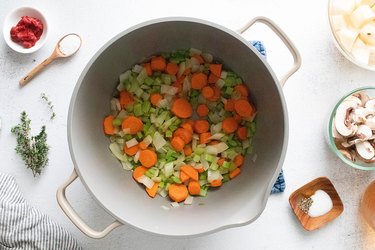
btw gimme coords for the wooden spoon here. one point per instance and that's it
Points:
(61, 50)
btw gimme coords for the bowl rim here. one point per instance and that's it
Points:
(338, 44)
(332, 145)
(19, 12)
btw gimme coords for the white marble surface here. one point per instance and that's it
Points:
(325, 76)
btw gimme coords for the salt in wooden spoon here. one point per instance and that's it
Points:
(67, 46)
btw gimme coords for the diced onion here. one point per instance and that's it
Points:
(223, 74)
(213, 175)
(158, 141)
(208, 57)
(131, 143)
(147, 140)
(126, 165)
(194, 51)
(220, 83)
(146, 181)
(124, 76)
(175, 204)
(217, 148)
(168, 169)
(136, 156)
(137, 68)
(115, 104)
(167, 89)
(163, 193)
(189, 200)
(216, 136)
(117, 151)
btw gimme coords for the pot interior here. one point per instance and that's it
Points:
(237, 202)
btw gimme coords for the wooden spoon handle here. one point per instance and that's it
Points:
(37, 69)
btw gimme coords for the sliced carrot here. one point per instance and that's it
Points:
(138, 172)
(108, 127)
(153, 191)
(201, 126)
(155, 98)
(178, 192)
(202, 110)
(177, 143)
(148, 68)
(229, 125)
(234, 173)
(187, 150)
(148, 158)
(238, 160)
(243, 108)
(198, 80)
(142, 145)
(183, 177)
(132, 150)
(188, 127)
(190, 171)
(216, 183)
(191, 122)
(172, 68)
(185, 134)
(242, 133)
(199, 58)
(212, 78)
(242, 89)
(215, 69)
(216, 95)
(194, 188)
(125, 99)
(204, 138)
(158, 63)
(220, 162)
(229, 105)
(182, 108)
(207, 92)
(134, 124)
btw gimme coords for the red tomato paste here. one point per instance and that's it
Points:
(27, 31)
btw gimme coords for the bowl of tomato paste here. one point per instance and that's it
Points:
(25, 29)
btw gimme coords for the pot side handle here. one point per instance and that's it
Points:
(75, 218)
(284, 38)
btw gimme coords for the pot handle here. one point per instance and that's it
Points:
(74, 217)
(284, 38)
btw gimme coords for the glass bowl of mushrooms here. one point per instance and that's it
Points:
(351, 128)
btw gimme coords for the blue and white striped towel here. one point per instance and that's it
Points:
(280, 182)
(25, 227)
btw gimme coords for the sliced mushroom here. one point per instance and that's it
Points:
(359, 114)
(370, 122)
(336, 134)
(365, 150)
(370, 105)
(362, 96)
(343, 122)
(363, 133)
(355, 99)
(347, 154)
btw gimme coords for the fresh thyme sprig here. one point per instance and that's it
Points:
(34, 149)
(50, 105)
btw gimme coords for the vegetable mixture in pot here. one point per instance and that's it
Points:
(181, 123)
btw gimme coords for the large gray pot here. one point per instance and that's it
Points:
(238, 202)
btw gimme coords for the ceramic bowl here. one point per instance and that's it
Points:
(336, 144)
(349, 39)
(13, 18)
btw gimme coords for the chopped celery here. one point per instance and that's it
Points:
(232, 143)
(230, 81)
(146, 105)
(209, 158)
(149, 81)
(138, 109)
(199, 151)
(117, 122)
(203, 191)
(166, 79)
(168, 134)
(203, 176)
(225, 178)
(175, 179)
(196, 158)
(161, 184)
(228, 91)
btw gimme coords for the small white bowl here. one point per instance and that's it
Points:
(13, 18)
